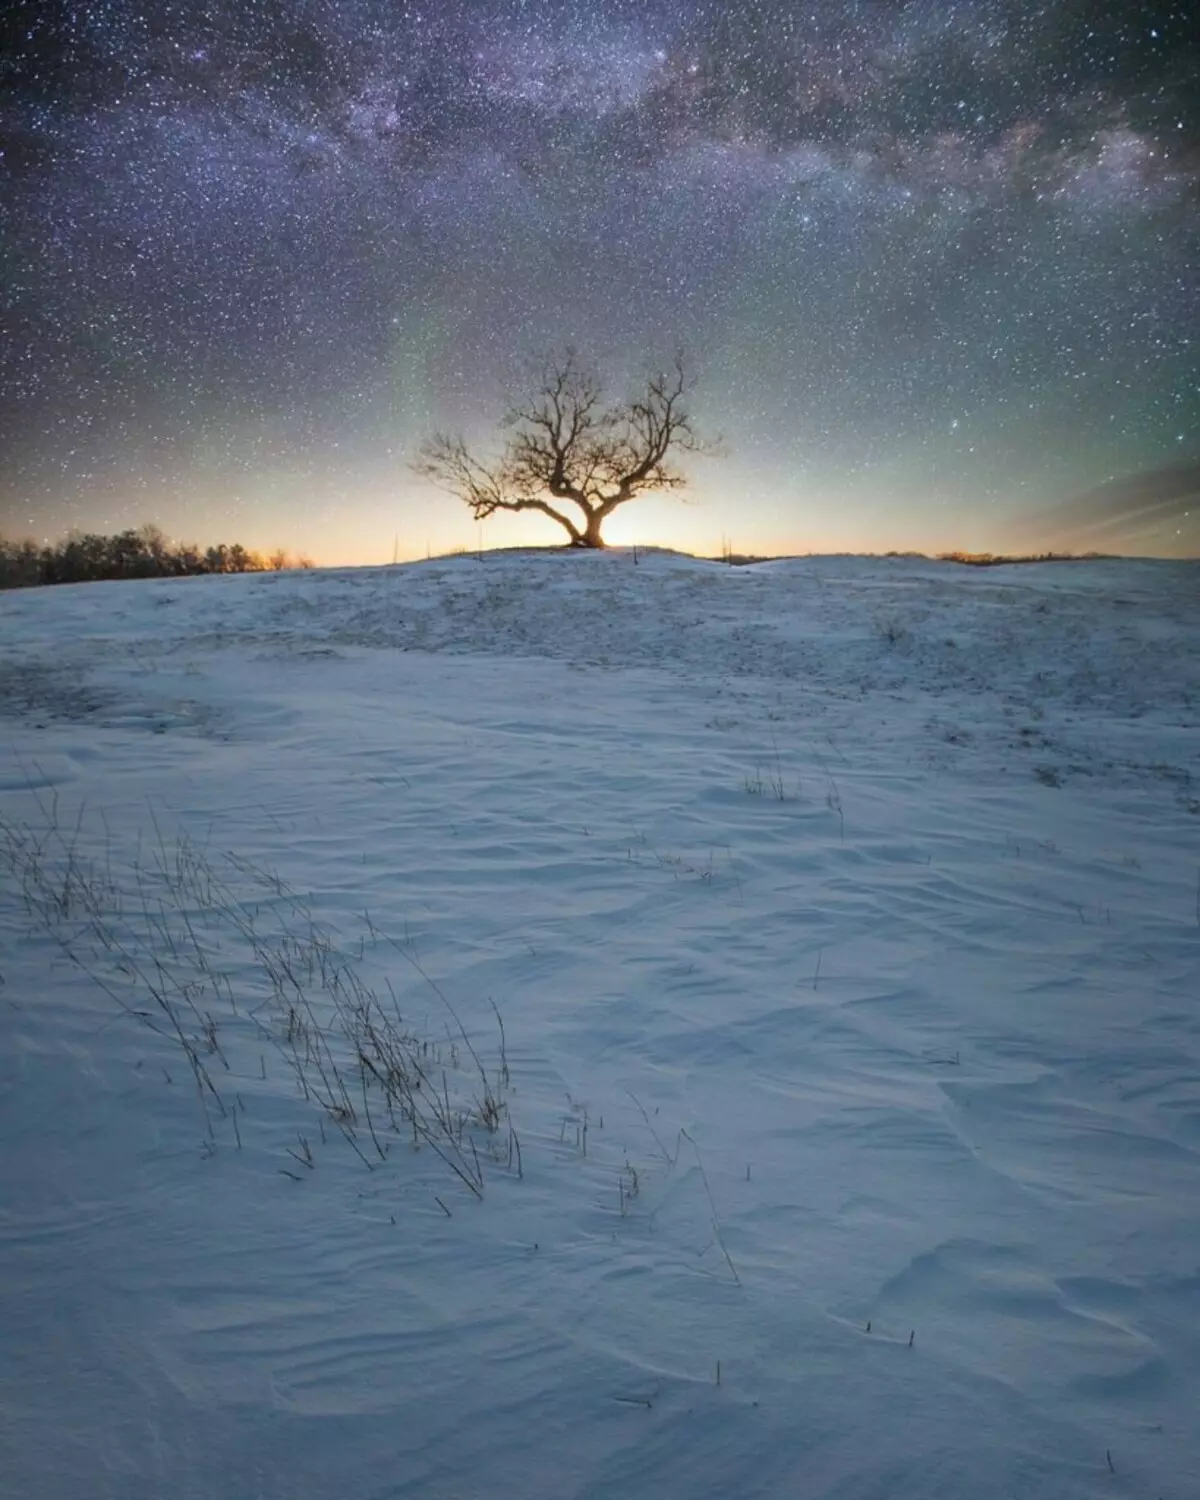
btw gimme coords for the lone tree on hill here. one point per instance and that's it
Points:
(568, 448)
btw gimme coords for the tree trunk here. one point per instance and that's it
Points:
(591, 537)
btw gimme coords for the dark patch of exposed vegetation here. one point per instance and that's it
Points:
(1000, 559)
(967, 559)
(87, 557)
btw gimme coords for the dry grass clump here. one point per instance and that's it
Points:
(223, 958)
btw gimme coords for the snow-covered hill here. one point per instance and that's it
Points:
(797, 970)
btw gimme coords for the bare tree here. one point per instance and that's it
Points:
(569, 448)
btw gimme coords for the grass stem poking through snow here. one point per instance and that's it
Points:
(716, 1222)
(662, 1150)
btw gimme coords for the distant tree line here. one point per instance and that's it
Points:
(87, 557)
(1004, 559)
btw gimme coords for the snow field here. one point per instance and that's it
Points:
(842, 919)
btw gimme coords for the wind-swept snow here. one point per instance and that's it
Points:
(842, 917)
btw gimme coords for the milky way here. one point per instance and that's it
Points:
(938, 262)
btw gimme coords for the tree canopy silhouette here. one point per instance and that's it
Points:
(85, 557)
(572, 455)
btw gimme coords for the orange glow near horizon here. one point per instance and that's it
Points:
(749, 518)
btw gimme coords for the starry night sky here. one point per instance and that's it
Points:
(938, 262)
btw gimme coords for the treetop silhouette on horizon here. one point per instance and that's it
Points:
(568, 447)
